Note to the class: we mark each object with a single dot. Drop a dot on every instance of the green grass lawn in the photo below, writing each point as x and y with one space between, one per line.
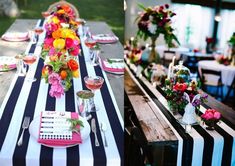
110 11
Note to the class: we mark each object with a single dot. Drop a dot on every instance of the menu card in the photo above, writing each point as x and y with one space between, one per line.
55 129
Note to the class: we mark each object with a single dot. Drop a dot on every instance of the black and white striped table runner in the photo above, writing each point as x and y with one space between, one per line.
200 146
29 99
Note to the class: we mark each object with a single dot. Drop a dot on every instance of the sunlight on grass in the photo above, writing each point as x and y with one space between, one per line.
110 11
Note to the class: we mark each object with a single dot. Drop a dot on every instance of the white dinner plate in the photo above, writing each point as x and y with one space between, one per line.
34 129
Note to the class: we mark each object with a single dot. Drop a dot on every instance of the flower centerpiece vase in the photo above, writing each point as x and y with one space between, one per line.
153 56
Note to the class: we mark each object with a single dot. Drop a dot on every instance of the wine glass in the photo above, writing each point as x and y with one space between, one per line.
29 60
90 43
94 83
38 31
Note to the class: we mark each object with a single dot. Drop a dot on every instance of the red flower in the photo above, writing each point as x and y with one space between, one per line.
209 40
72 64
180 87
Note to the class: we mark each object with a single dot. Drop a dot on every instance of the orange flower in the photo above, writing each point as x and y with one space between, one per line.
56 34
66 8
72 64
63 74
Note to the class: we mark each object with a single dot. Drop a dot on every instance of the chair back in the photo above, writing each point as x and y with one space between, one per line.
63 2
210 77
167 57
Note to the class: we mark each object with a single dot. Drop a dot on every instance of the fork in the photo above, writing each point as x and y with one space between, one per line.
25 125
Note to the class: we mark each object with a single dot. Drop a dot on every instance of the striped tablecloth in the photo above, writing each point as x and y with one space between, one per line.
29 99
199 146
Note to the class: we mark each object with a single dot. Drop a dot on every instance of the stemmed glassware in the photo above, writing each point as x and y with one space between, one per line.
94 83
29 60
38 31
90 43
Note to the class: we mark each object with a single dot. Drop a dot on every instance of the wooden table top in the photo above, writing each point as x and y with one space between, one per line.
11 49
154 127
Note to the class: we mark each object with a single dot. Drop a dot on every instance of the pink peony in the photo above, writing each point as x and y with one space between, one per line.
56 91
75 51
217 115
54 78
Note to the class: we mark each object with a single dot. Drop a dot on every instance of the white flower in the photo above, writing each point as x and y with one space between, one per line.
152 28
151 18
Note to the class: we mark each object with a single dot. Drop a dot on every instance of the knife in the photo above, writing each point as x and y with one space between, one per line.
93 128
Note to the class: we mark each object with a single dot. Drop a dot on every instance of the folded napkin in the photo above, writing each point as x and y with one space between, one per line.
54 129
115 66
105 38
15 36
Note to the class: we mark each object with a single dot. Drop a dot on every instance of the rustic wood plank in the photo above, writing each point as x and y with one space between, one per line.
154 127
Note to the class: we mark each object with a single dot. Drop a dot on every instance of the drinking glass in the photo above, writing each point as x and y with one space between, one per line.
90 43
94 83
38 31
29 60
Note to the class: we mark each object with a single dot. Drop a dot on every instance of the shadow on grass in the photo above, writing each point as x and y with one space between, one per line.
110 11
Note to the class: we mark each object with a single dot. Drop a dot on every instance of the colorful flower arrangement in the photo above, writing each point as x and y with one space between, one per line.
175 94
221 59
154 21
60 50
211 117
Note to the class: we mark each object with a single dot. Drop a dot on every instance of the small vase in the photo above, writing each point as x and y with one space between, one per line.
233 56
210 125
154 57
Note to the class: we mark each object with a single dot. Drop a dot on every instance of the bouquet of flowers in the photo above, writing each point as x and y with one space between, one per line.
154 21
211 117
175 94
221 59
60 50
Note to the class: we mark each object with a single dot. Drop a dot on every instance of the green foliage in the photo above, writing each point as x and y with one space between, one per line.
74 124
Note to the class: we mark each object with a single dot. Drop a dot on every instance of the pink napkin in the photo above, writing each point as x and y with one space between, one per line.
76 137
111 69
105 38
16 36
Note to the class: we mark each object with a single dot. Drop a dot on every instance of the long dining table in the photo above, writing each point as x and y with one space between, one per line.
21 98
169 142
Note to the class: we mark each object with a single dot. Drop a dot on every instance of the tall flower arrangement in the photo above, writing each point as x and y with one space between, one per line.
154 21
60 50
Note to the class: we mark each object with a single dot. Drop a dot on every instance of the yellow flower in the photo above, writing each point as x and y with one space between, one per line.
61 11
59 43
76 74
55 20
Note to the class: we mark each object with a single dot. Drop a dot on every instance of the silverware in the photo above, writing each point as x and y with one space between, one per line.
93 128
103 128
25 125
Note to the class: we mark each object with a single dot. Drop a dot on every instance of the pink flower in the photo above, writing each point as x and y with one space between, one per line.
211 114
69 43
48 42
217 115
54 78
75 51
56 90
52 51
